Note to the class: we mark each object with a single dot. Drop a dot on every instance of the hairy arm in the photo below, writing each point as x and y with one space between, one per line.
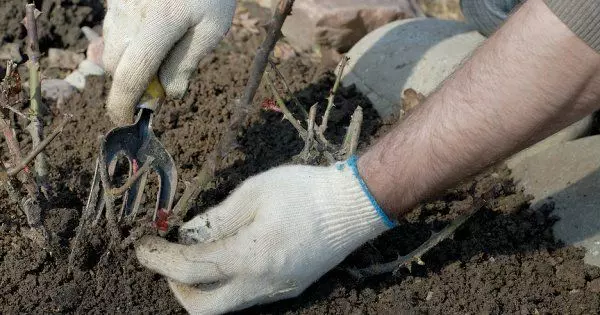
530 79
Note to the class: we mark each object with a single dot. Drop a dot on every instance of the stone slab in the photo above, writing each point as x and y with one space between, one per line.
339 24
414 53
575 131
567 175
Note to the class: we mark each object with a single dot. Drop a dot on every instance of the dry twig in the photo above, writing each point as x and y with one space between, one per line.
316 144
353 134
16 157
305 155
14 110
118 191
288 90
286 112
39 148
415 255
331 97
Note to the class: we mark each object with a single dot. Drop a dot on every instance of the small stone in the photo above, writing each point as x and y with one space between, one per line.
64 59
429 296
95 46
10 51
76 79
88 68
94 51
283 51
56 89
89 33
594 285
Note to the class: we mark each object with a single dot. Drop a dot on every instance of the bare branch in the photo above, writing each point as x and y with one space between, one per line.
353 134
132 179
240 110
36 127
192 190
282 10
14 110
15 157
286 112
288 90
436 238
331 97
244 105
311 134
109 200
39 148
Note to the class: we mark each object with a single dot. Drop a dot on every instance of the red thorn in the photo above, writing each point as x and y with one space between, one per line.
269 104
162 220
135 166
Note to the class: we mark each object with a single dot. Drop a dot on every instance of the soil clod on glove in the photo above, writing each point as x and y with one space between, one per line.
168 37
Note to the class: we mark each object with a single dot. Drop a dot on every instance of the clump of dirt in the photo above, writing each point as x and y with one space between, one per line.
504 260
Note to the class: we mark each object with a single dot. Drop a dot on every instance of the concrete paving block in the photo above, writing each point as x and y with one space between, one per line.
568 176
575 131
416 53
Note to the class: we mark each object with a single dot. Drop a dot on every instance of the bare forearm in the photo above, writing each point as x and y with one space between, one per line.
529 80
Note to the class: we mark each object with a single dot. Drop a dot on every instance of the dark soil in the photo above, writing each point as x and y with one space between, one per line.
504 260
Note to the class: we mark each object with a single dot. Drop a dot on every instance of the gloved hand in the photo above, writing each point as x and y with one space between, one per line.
143 37
274 236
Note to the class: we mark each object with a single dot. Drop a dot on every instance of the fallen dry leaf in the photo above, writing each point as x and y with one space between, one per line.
411 99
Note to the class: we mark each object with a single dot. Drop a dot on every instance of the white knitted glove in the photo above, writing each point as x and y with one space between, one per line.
274 236
143 37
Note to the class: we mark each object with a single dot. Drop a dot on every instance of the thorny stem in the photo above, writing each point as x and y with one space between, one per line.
402 261
311 134
353 134
259 64
30 204
286 112
288 90
415 255
110 206
36 127
86 215
16 157
9 84
283 9
39 148
331 96
241 109
192 190
14 110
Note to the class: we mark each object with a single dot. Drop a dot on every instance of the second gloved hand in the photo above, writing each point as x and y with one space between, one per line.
168 37
273 237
